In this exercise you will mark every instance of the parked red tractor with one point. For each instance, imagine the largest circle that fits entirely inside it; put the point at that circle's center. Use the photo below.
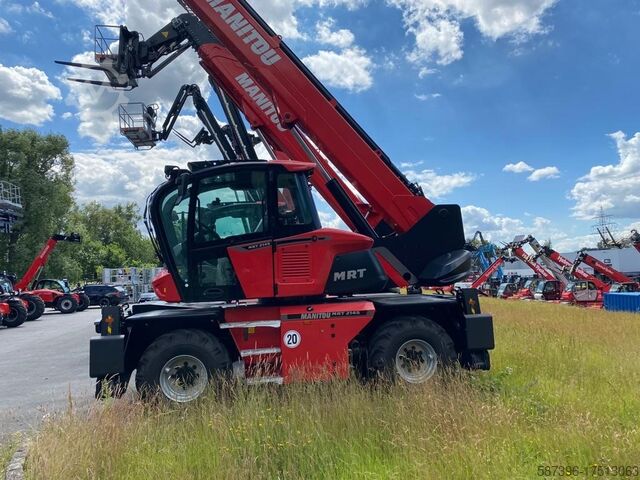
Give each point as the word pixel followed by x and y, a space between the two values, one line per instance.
pixel 13 312
pixel 54 293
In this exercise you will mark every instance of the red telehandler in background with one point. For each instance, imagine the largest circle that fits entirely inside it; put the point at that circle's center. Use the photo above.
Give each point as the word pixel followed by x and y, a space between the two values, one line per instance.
pixel 542 274
pixel 620 282
pixel 52 293
pixel 296 301
pixel 585 291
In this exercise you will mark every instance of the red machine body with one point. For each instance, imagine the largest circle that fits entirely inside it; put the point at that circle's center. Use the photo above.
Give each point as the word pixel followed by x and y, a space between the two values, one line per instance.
pixel 295 342
pixel 5 309
pixel 52 297
pixel 602 268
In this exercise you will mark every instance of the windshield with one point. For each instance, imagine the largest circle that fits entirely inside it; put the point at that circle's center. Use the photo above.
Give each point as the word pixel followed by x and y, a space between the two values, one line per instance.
pixel 6 286
pixel 540 287
pixel 569 287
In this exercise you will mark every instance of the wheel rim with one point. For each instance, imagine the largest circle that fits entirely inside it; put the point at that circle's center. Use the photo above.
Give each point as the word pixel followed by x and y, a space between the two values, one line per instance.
pixel 104 303
pixel 31 309
pixel 13 314
pixel 65 305
pixel 183 378
pixel 416 361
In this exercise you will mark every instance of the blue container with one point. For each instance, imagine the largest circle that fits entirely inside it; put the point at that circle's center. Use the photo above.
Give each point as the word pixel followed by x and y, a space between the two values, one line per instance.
pixel 622 302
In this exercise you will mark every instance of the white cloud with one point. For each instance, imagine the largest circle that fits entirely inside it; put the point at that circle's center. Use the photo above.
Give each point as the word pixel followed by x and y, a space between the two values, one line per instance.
pixel 342 38
pixel 519 167
pixel 437 186
pixel 25 95
pixel 98 106
pixel 5 27
pixel 614 188
pixel 35 8
pixel 436 25
pixel 542 173
pixel 423 97
pixel 350 69
pixel 330 219
pixel 111 176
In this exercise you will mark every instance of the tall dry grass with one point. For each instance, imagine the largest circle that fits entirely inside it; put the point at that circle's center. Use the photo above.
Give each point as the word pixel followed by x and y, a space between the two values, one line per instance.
pixel 564 390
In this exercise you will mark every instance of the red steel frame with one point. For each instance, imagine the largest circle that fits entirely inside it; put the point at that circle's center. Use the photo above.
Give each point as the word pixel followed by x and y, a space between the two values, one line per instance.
pixel 37 265
pixel 602 268
pixel 488 272
pixel 532 264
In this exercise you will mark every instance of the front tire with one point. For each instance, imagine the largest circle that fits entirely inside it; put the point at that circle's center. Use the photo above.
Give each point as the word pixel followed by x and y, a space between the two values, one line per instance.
pixel 84 302
pixel 105 302
pixel 18 314
pixel 180 364
pixel 410 349
pixel 67 304
pixel 35 308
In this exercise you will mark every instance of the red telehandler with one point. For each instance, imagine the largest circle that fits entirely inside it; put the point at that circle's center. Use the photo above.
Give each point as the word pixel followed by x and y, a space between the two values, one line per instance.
pixel 49 293
pixel 260 289
pixel 620 282
pixel 542 274
pixel 585 291
pixel 481 283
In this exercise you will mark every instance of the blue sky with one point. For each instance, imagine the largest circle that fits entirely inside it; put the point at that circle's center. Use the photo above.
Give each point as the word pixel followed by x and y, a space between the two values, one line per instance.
pixel 454 90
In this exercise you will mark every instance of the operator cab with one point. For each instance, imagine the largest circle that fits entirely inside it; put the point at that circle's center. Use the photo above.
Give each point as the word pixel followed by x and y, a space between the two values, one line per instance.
pixel 624 287
pixel 229 231
pixel 49 284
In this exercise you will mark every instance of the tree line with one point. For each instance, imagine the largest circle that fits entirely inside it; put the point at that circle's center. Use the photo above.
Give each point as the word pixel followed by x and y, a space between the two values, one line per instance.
pixel 43 168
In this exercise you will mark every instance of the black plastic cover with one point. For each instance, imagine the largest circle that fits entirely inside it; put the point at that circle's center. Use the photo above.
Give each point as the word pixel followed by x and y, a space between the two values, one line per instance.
pixel 356 272
pixel 106 355
pixel 479 332
pixel 433 250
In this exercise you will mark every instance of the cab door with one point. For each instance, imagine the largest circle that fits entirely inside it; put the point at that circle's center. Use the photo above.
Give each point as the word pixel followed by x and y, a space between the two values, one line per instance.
pixel 227 209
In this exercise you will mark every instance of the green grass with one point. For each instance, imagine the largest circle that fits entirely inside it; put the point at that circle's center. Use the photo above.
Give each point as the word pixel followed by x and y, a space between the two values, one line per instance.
pixel 7 450
pixel 564 390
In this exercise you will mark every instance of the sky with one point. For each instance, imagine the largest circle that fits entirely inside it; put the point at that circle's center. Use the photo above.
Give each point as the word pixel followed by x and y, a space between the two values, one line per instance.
pixel 523 112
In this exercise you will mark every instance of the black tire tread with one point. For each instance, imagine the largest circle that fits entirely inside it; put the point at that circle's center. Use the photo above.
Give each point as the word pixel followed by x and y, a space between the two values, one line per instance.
pixel 39 303
pixel 73 301
pixel 16 304
pixel 84 302
pixel 382 341
pixel 146 378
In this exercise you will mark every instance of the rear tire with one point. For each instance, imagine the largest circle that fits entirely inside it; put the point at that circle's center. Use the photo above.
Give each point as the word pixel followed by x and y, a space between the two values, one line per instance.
pixel 36 307
pixel 84 302
pixel 18 314
pixel 180 364
pixel 66 304
pixel 410 349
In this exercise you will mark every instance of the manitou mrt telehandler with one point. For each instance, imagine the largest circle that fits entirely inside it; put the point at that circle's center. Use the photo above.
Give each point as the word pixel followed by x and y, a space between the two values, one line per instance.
pixel 258 287
pixel 51 293
pixel 620 282
pixel 585 291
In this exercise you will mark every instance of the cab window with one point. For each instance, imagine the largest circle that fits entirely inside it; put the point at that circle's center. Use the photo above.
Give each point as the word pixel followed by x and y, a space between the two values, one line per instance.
pixel 294 201
pixel 231 205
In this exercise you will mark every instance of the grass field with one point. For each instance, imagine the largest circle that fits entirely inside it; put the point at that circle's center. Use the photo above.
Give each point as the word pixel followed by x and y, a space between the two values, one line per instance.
pixel 6 452
pixel 564 390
